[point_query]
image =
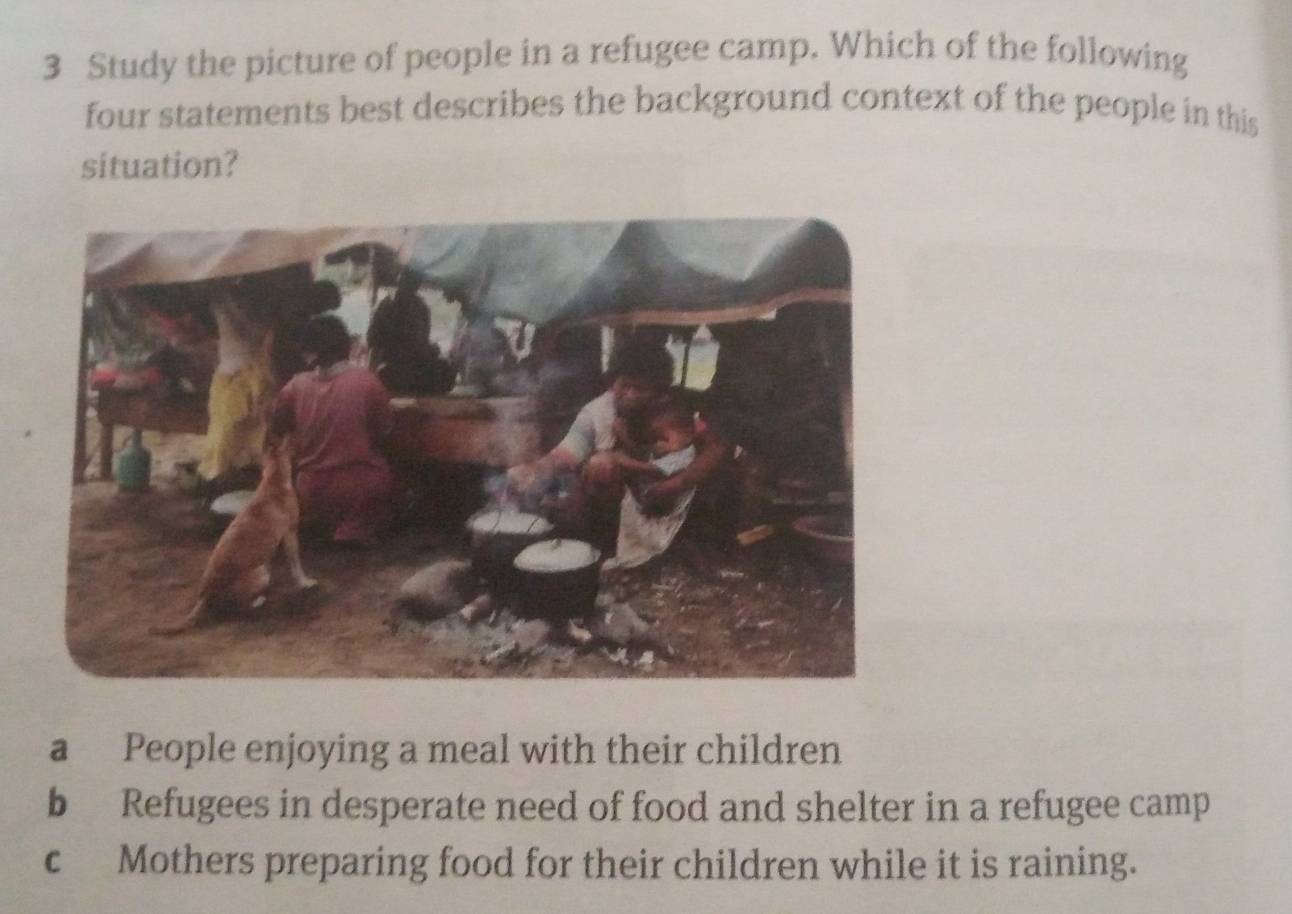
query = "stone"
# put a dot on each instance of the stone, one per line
(531, 635)
(577, 634)
(499, 654)
(479, 608)
(440, 588)
(619, 625)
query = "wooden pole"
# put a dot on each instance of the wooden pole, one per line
(79, 457)
(842, 374)
(107, 432)
(841, 368)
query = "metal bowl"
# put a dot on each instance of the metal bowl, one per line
(230, 504)
(827, 536)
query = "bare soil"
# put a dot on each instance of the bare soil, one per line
(765, 611)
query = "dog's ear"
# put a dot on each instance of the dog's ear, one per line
(275, 446)
(279, 426)
(282, 422)
(271, 445)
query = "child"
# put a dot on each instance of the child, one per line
(670, 431)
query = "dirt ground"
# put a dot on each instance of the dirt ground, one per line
(764, 611)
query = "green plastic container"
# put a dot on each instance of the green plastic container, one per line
(134, 465)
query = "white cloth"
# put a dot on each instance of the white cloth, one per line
(593, 429)
(240, 335)
(643, 536)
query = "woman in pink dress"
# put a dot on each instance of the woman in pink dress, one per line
(338, 415)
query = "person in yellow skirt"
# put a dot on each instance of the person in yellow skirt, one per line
(242, 389)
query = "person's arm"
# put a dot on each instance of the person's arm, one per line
(526, 476)
(711, 452)
(570, 454)
(638, 467)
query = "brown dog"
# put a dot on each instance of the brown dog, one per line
(238, 569)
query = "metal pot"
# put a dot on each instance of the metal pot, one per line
(558, 579)
(497, 537)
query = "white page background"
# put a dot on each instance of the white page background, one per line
(1071, 435)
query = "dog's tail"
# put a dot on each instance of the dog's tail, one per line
(189, 621)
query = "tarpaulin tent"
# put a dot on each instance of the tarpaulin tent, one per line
(664, 272)
(656, 271)
(115, 260)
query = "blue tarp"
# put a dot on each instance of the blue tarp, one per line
(663, 272)
(657, 271)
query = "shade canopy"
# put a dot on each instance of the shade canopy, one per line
(117, 260)
(656, 271)
(662, 272)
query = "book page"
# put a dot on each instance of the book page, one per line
(586, 457)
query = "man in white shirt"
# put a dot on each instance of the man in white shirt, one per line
(640, 377)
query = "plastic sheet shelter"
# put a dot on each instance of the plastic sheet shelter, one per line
(116, 260)
(639, 272)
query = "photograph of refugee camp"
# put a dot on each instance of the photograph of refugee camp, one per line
(607, 449)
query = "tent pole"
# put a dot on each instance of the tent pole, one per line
(686, 357)
(845, 412)
(82, 405)
(841, 369)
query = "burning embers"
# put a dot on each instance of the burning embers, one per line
(437, 603)
(524, 593)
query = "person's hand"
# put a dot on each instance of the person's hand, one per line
(658, 498)
(523, 476)
(619, 458)
(602, 469)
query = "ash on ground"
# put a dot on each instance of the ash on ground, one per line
(641, 615)
(491, 629)
(766, 610)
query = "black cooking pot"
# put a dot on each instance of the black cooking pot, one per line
(558, 579)
(497, 537)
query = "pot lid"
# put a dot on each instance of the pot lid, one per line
(500, 521)
(551, 556)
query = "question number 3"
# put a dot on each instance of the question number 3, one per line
(53, 66)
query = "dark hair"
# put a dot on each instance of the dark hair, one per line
(408, 284)
(326, 337)
(649, 362)
(323, 296)
(282, 422)
(672, 414)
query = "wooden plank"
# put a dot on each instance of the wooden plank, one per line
(136, 409)
(497, 432)
(487, 442)
(158, 414)
(497, 408)
(79, 456)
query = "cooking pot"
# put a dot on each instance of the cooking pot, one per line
(498, 536)
(558, 579)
